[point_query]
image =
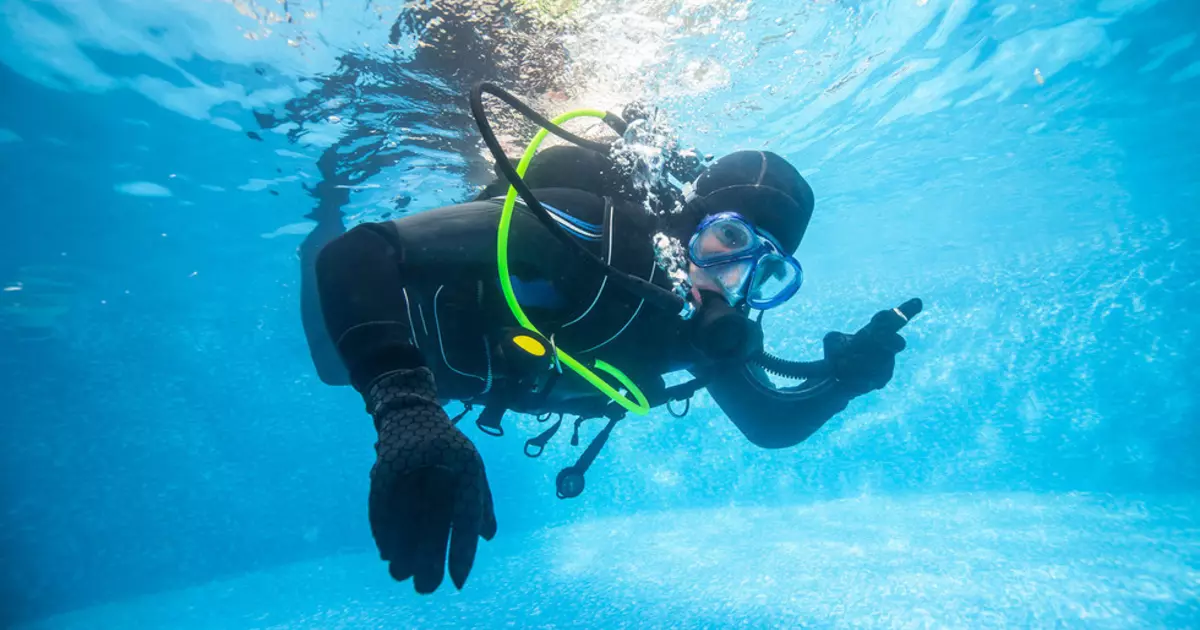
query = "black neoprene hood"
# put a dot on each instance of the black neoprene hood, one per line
(759, 185)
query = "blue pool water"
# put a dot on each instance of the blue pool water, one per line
(1030, 169)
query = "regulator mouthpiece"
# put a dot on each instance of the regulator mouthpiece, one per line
(723, 333)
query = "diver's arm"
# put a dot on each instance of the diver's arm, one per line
(769, 417)
(854, 365)
(427, 477)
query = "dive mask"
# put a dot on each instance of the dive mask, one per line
(748, 263)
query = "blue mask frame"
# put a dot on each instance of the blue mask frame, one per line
(766, 247)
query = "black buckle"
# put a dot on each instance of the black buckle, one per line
(489, 420)
(540, 441)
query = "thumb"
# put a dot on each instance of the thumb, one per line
(893, 319)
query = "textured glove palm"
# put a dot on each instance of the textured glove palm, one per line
(428, 485)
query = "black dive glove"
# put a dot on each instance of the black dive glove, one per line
(864, 362)
(428, 485)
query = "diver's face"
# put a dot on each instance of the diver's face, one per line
(715, 242)
(701, 281)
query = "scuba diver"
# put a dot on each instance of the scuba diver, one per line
(566, 297)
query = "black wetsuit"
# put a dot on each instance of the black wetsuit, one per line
(412, 315)
(424, 290)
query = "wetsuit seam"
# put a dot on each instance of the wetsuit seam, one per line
(487, 354)
(636, 311)
(607, 261)
(437, 325)
(487, 342)
(424, 326)
(411, 326)
(351, 329)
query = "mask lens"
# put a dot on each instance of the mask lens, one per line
(732, 277)
(774, 278)
(723, 239)
(733, 235)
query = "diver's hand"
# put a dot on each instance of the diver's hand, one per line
(428, 485)
(864, 362)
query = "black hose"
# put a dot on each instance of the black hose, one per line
(531, 114)
(779, 366)
(640, 288)
(888, 321)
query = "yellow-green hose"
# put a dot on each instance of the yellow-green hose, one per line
(639, 406)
